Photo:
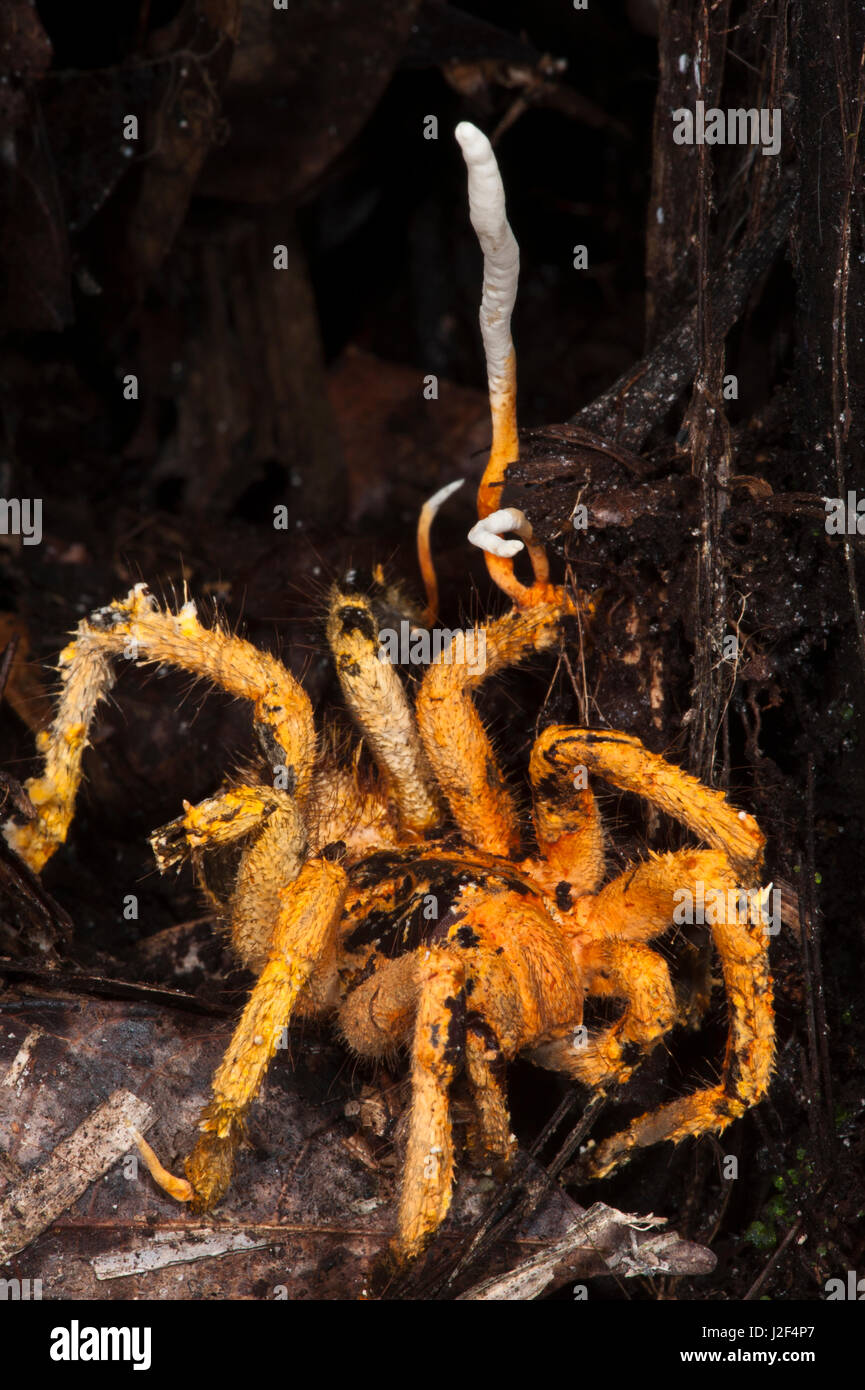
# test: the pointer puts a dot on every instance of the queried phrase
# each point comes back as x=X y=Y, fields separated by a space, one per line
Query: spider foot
x=703 y=1112
x=219 y=820
x=210 y=1166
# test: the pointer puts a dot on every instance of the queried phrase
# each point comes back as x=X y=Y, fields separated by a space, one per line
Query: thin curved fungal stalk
x=501 y=276
x=428 y=514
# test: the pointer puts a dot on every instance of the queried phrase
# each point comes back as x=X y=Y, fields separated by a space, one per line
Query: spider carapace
x=419 y=909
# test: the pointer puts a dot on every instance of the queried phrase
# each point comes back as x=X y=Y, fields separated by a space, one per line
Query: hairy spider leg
x=338 y=808
x=216 y=821
x=490 y=1136
x=625 y=762
x=301 y=961
x=437 y=1049
x=269 y=860
x=456 y=743
x=612 y=926
x=137 y=629
x=476 y=997
x=742 y=948
x=380 y=706
x=568 y=827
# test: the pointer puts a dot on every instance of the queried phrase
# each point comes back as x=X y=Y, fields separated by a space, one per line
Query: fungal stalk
x=501 y=275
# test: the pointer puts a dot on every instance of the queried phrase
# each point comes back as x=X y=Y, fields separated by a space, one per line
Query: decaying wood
x=604 y=1240
x=641 y=397
x=89 y=1151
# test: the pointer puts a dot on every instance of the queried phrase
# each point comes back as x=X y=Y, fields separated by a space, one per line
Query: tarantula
x=417 y=910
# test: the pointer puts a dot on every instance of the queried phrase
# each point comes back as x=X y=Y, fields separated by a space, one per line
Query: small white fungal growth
x=438 y=499
x=501 y=255
x=488 y=532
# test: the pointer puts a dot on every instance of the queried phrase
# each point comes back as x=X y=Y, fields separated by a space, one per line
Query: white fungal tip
x=473 y=143
x=439 y=498
x=501 y=254
x=488 y=532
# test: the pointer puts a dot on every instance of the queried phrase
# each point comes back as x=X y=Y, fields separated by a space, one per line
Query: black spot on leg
x=353 y=618
x=494 y=1059
x=733 y=1079
x=104 y=619
x=631 y=1053
x=274 y=753
x=466 y=937
x=455 y=1038
x=547 y=787
x=515 y=885
x=602 y=736
x=564 y=896
x=334 y=851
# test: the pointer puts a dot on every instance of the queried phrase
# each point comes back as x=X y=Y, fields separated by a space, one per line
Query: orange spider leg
x=515 y=947
x=437 y=1049
x=618 y=969
x=453 y=734
x=377 y=699
x=491 y=1137
x=218 y=820
x=611 y=929
x=301 y=959
x=625 y=762
x=270 y=860
x=568 y=828
x=743 y=951
x=137 y=629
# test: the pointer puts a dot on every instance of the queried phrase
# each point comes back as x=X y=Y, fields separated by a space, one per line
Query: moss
x=762 y=1235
